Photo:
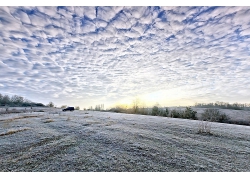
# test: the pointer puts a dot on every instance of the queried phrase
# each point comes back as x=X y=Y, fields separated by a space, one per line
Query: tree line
x=17 y=101
x=224 y=105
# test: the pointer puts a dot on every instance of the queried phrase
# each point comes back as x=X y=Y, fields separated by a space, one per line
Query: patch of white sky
x=109 y=55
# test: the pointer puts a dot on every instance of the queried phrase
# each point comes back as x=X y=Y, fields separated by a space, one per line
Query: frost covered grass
x=104 y=141
x=48 y=121
x=12 y=131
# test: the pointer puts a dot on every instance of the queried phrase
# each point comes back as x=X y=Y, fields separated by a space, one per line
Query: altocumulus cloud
x=87 y=55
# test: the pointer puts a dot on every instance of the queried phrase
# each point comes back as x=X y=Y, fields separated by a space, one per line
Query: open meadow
x=103 y=141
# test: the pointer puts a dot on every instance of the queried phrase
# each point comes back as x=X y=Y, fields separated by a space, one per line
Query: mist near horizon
x=84 y=56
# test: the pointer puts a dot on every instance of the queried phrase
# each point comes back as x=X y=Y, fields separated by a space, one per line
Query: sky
x=84 y=56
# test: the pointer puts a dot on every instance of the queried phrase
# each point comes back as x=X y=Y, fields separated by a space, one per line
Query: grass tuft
x=49 y=121
x=12 y=131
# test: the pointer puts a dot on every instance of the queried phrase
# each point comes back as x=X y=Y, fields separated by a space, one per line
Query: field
x=103 y=141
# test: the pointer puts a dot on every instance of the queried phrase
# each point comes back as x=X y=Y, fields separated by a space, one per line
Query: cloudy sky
x=107 y=55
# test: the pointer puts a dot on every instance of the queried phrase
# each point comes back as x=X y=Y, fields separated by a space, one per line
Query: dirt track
x=102 y=141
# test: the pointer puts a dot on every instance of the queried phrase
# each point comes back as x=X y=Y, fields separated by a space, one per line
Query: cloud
x=89 y=11
x=108 y=53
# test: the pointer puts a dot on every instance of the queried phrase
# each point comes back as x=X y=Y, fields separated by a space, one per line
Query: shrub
x=163 y=112
x=77 y=108
x=155 y=111
x=224 y=118
x=176 y=114
x=204 y=127
x=214 y=115
x=211 y=115
x=144 y=111
x=189 y=113
x=206 y=117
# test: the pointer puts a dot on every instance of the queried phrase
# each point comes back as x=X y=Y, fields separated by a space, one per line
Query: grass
x=135 y=143
x=13 y=131
x=110 y=123
x=18 y=118
x=49 y=121
x=26 y=117
x=86 y=116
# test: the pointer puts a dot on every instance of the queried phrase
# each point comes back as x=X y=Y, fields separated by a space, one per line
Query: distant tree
x=63 y=106
x=14 y=99
x=162 y=112
x=97 y=108
x=17 y=100
x=143 y=110
x=135 y=106
x=223 y=105
x=39 y=104
x=51 y=104
x=77 y=108
x=1 y=98
x=167 y=112
x=155 y=111
x=27 y=102
x=6 y=100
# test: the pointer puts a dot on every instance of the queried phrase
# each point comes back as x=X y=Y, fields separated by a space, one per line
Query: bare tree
x=135 y=106
x=144 y=110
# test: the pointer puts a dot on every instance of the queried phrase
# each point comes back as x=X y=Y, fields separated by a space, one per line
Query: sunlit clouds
x=102 y=55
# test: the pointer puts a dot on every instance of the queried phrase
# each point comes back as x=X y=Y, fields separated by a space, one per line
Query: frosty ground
x=103 y=141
